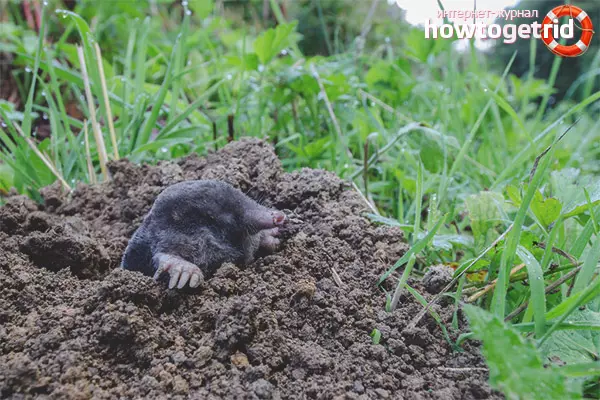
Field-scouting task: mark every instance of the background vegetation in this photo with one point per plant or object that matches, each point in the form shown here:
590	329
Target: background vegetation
489	162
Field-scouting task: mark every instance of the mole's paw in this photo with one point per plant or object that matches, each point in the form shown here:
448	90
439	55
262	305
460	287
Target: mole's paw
180	271
268	238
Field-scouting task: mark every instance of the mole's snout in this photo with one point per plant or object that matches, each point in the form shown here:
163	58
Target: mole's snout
264	218
278	218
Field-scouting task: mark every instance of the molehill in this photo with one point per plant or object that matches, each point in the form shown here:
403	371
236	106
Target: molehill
73	325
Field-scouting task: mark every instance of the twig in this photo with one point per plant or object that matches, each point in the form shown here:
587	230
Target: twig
336	277
103	158
214	130
230	129
88	154
330	109
438	296
43	157
470	369
334	274
549	288
558	251
109	117
492	285
366	167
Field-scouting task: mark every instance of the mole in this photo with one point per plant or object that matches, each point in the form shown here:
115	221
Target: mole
195	226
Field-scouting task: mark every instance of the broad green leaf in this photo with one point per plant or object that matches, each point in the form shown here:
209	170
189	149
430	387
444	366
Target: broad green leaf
29	42
514	195
574	300
7	176
545	210
446	242
201	8
273	41
305	84
381	72
516	368
336	85
575	346
432	156
485	212
568	184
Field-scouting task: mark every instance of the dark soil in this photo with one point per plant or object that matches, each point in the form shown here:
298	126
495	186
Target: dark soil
73	325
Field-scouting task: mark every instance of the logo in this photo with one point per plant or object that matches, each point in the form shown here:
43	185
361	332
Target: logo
550	31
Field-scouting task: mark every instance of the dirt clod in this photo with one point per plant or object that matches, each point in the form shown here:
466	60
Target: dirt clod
437	277
73	325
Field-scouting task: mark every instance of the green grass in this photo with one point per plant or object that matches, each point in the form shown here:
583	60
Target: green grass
466	160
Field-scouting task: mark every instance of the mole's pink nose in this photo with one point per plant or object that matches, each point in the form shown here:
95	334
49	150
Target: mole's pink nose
278	218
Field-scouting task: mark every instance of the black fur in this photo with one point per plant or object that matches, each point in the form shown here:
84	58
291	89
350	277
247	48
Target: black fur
204	222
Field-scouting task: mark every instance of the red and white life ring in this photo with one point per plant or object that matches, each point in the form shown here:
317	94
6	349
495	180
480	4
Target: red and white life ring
573	50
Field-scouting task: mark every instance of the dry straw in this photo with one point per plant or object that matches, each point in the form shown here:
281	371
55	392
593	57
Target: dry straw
44	158
109	117
92	109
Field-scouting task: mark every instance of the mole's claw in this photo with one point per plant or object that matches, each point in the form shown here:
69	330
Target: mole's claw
161	268
185	277
175	272
180	271
195	280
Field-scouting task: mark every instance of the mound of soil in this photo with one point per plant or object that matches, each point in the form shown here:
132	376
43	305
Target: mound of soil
73	325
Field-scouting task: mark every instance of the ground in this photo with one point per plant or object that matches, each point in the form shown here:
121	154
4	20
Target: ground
73	325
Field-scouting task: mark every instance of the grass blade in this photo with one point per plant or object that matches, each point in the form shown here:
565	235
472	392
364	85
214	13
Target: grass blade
563	310
165	132
415	249
467	144
38	55
536	283
589	267
402	281
524	154
144	135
